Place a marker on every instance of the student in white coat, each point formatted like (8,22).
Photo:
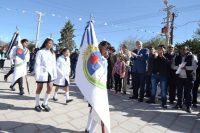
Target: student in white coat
(45,72)
(63,72)
(92,123)
(17,71)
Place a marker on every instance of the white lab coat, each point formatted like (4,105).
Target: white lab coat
(45,64)
(19,71)
(63,71)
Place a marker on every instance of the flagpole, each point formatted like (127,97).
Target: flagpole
(103,127)
(27,84)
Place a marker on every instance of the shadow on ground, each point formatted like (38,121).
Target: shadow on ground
(19,127)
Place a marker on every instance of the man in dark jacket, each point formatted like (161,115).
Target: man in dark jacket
(171,86)
(160,74)
(185,65)
(74,59)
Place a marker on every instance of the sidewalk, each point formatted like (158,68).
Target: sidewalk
(17,113)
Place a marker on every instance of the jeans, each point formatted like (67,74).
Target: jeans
(155,79)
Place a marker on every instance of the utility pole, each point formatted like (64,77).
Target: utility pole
(172,29)
(38,28)
(168,20)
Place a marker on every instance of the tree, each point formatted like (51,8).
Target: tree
(67,35)
(31,45)
(130,42)
(197,33)
(154,42)
(193,44)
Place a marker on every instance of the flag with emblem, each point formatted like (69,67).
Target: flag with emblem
(92,76)
(18,54)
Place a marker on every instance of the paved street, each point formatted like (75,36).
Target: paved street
(17,113)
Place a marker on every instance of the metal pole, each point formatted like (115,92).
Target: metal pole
(38,28)
(172,29)
(102,127)
(168,20)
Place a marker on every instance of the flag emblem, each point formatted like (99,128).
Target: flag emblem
(92,63)
(20,53)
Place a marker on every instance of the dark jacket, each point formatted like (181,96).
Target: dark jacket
(161,66)
(140,62)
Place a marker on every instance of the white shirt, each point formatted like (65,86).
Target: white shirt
(63,70)
(45,64)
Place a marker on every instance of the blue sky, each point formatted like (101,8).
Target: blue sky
(115,20)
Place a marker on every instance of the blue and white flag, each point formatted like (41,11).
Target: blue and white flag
(91,76)
(18,54)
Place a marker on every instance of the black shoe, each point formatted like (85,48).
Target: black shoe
(5,78)
(194,105)
(140,100)
(38,108)
(177,106)
(21,91)
(171,102)
(86,131)
(188,109)
(150,101)
(164,106)
(55,99)
(67,101)
(46,108)
(124,92)
(133,97)
(147,95)
(12,88)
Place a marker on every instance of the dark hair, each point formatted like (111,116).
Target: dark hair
(24,40)
(104,43)
(64,50)
(45,43)
(112,49)
(186,47)
(161,46)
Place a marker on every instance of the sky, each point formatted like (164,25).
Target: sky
(115,20)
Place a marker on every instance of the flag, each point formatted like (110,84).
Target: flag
(92,75)
(20,61)
(12,43)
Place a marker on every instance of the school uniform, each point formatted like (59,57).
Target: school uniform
(2,59)
(45,72)
(63,71)
(17,71)
(45,66)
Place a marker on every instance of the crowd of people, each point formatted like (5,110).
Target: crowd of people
(176,73)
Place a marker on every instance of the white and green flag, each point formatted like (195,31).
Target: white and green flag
(91,76)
